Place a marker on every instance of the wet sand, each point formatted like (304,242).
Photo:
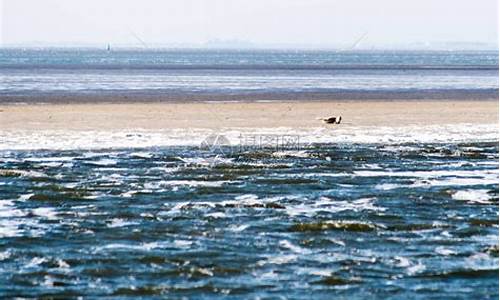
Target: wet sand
(294,114)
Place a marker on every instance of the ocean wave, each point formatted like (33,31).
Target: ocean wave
(474,196)
(328,205)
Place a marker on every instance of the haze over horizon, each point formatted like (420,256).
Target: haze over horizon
(251,24)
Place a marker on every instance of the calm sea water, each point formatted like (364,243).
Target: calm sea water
(403,221)
(199,72)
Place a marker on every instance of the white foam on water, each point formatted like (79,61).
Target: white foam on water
(243,200)
(416,268)
(246,197)
(477,196)
(177,244)
(278,259)
(6,204)
(50,159)
(9,228)
(177,208)
(312,175)
(103,162)
(141,155)
(239,228)
(128,194)
(210,161)
(146,247)
(402,262)
(194,183)
(8,159)
(289,153)
(296,249)
(320,272)
(456,182)
(373,166)
(481,261)
(430,174)
(45,212)
(183,243)
(5,255)
(328,205)
(8,209)
(387,186)
(152,186)
(216,215)
(14,223)
(62,264)
(35,261)
(142,138)
(337,242)
(444,251)
(252,200)
(400,148)
(436,177)
(115,223)
(166,169)
(267,164)
(490,239)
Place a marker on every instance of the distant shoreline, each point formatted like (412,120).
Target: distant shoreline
(468,47)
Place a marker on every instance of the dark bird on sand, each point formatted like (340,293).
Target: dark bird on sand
(332,120)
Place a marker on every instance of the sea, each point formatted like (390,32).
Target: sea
(245,74)
(267,213)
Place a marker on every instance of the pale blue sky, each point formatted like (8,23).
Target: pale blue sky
(317,23)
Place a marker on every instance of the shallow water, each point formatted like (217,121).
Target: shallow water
(265,73)
(405,221)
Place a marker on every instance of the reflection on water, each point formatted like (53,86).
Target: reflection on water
(348,220)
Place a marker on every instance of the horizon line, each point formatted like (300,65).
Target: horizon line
(247,47)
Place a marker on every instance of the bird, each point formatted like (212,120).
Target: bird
(332,120)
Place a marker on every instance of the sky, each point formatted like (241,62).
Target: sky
(249,23)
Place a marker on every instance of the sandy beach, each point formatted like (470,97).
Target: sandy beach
(213,115)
